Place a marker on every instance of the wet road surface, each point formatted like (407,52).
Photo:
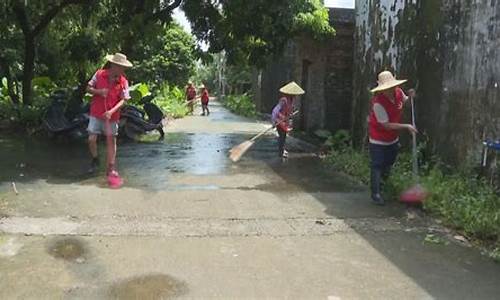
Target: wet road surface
(190,224)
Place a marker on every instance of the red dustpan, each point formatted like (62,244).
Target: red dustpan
(415,194)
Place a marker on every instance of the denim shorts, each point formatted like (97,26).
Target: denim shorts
(98,126)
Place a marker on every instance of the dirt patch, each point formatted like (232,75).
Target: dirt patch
(68,249)
(152,286)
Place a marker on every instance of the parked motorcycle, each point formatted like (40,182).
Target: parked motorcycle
(133,121)
(56,123)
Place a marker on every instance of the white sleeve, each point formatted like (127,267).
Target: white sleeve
(93,81)
(126,92)
(405,97)
(380,113)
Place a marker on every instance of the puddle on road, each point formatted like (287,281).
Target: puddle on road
(153,286)
(151,165)
(70,249)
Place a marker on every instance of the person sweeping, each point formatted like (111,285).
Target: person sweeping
(205,97)
(281,115)
(384,125)
(190,96)
(109,88)
(282,112)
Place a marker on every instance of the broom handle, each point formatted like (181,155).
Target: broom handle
(414,142)
(274,126)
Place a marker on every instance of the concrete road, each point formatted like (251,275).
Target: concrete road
(190,224)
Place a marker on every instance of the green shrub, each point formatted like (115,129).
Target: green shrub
(461,199)
(172,101)
(241,105)
(28,117)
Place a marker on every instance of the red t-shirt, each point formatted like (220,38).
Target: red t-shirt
(117,91)
(204,96)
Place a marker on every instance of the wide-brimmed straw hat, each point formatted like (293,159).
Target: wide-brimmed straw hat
(119,59)
(386,81)
(292,89)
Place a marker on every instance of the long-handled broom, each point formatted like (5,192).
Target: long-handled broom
(416,193)
(238,151)
(114,180)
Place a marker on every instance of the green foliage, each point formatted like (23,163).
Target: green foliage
(27,117)
(495,254)
(169,57)
(254,31)
(352,162)
(314,20)
(435,239)
(340,140)
(137,92)
(172,101)
(241,105)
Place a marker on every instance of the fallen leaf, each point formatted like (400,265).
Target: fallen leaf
(460,238)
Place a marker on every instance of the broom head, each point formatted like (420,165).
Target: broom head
(237,152)
(414,195)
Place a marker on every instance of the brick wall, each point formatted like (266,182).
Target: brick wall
(322,68)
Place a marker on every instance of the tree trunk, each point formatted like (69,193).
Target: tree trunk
(28,69)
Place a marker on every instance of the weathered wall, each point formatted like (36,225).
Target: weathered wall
(450,50)
(322,68)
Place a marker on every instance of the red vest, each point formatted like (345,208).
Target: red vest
(394,112)
(204,97)
(191,93)
(286,111)
(100,104)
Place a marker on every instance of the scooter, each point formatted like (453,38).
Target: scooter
(57,124)
(133,122)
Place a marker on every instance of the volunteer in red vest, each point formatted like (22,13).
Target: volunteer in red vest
(109,88)
(282,112)
(190,96)
(205,97)
(384,125)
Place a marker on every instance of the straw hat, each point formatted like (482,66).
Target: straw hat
(119,59)
(386,81)
(292,89)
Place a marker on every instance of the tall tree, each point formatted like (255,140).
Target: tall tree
(33,19)
(255,30)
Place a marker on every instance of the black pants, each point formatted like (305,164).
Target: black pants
(382,159)
(205,108)
(281,141)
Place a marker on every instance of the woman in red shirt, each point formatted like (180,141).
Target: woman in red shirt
(190,96)
(109,88)
(282,112)
(384,125)
(204,100)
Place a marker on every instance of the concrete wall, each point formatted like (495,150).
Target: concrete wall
(450,50)
(322,68)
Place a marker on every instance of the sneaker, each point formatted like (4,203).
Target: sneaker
(94,165)
(378,200)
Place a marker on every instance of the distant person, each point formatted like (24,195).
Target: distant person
(384,124)
(205,97)
(109,88)
(282,113)
(190,96)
